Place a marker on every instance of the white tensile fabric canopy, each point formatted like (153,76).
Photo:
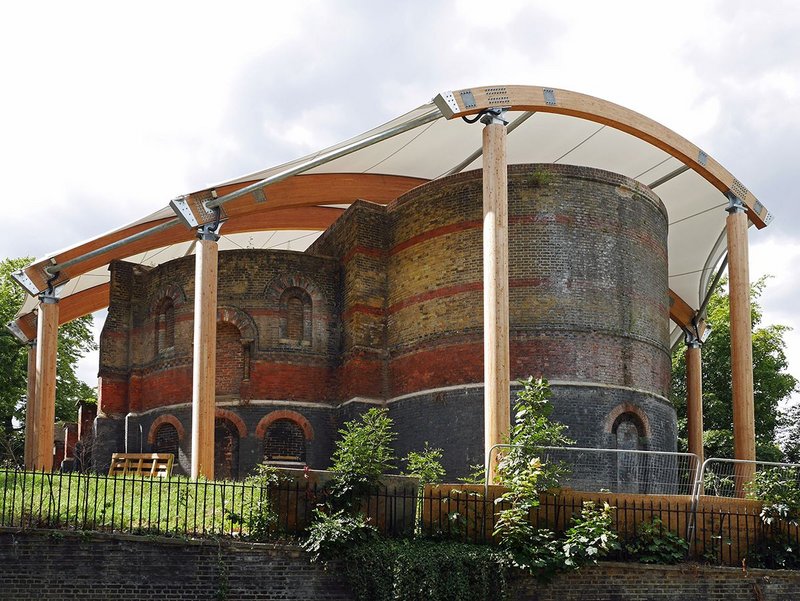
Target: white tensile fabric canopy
(303,197)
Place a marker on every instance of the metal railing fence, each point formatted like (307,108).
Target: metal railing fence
(719,529)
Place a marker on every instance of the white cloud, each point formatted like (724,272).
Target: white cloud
(110,109)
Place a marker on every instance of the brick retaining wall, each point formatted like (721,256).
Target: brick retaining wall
(46,565)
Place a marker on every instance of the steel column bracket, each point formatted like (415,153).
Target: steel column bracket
(196,209)
(21,278)
(210,231)
(12,327)
(735,204)
(494,116)
(181,207)
(48,296)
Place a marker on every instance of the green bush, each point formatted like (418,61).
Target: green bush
(421,570)
(533,430)
(654,543)
(257,513)
(331,535)
(591,536)
(779,492)
(363,454)
(427,468)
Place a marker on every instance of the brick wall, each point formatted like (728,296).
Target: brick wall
(387,305)
(587,278)
(50,566)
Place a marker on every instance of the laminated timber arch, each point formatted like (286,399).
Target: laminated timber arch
(383,163)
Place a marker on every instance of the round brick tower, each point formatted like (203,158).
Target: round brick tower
(386,308)
(588,307)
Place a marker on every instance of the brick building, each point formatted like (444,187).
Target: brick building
(385,308)
(616,228)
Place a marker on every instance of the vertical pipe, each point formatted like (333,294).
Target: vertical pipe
(744,438)
(497,404)
(30,408)
(46,352)
(694,399)
(204,364)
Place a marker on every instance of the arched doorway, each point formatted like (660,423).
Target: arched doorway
(226,450)
(628,432)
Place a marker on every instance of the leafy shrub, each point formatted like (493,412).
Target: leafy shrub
(427,467)
(363,454)
(775,552)
(656,544)
(258,514)
(778,489)
(590,537)
(417,570)
(533,430)
(330,535)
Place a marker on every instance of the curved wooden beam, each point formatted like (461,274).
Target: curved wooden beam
(96,298)
(563,102)
(295,193)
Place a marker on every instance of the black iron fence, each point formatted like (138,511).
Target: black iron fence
(721,530)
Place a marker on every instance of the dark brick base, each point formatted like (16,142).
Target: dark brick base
(45,566)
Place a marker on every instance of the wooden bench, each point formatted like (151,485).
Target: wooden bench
(153,465)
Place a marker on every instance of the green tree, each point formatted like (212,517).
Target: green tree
(771,381)
(74,341)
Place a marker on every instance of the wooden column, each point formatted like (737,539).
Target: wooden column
(30,408)
(497,403)
(744,437)
(205,353)
(694,397)
(46,354)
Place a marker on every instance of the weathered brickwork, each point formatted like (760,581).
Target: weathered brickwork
(38,566)
(387,307)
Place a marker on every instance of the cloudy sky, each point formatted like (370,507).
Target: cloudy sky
(110,109)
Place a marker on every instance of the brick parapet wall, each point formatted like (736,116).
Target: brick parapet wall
(46,565)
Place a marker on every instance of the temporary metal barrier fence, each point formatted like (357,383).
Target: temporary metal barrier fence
(620,470)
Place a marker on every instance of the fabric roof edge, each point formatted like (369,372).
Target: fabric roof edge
(469,101)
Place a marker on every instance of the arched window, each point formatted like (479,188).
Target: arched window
(295,317)
(165,326)
(166,439)
(284,440)
(230,359)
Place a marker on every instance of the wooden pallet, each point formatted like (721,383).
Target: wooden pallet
(153,465)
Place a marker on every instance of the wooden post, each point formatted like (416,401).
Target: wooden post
(497,381)
(30,408)
(46,354)
(205,353)
(744,436)
(694,397)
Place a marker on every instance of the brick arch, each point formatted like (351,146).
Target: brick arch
(161,420)
(233,418)
(170,291)
(293,416)
(275,289)
(621,409)
(240,319)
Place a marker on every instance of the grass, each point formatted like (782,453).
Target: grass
(173,507)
